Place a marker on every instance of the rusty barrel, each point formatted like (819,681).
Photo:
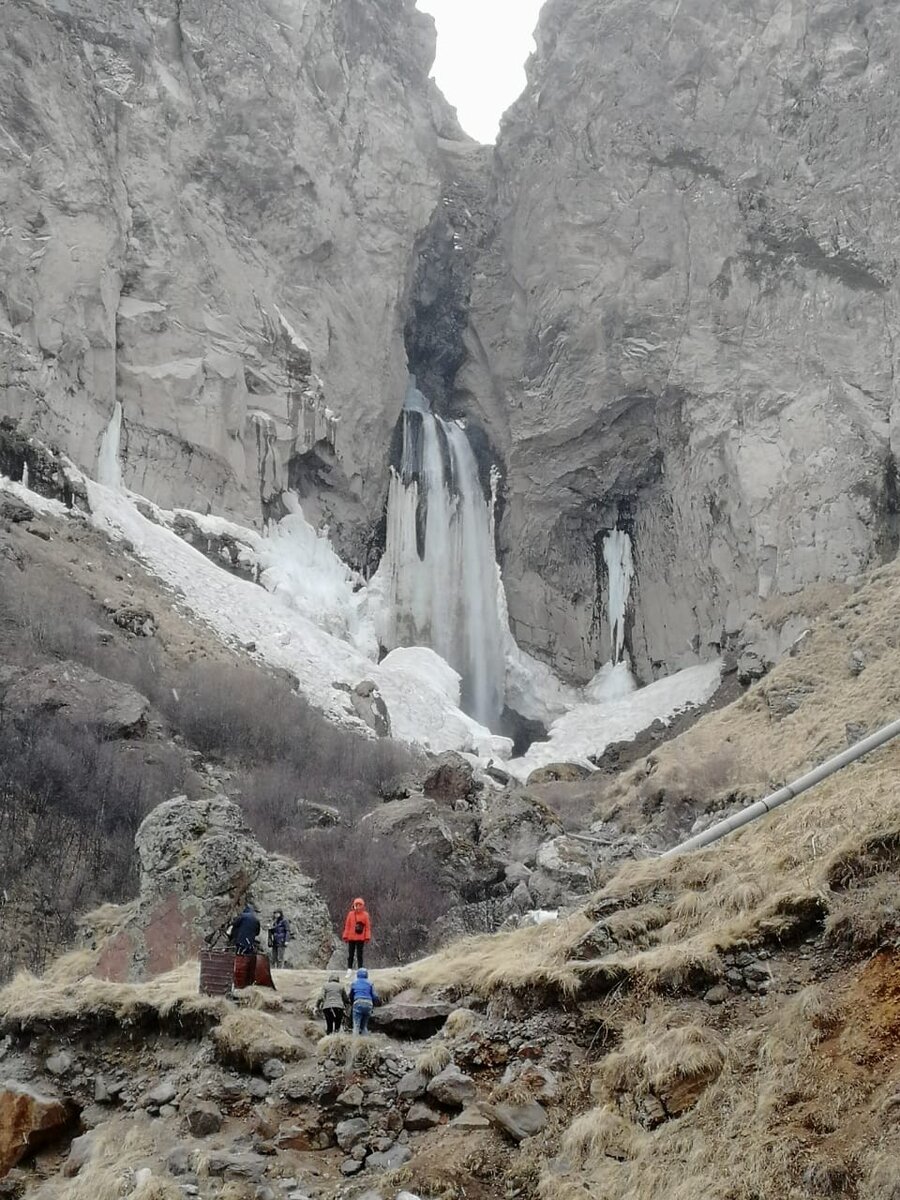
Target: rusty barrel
(216,972)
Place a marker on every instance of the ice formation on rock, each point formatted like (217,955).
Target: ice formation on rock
(109,467)
(619,572)
(438,575)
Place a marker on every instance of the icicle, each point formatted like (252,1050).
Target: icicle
(109,470)
(24,474)
(620,572)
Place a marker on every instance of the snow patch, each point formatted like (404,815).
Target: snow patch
(618,713)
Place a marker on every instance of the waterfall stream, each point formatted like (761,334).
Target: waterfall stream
(439,571)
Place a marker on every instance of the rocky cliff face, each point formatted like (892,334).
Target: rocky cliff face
(685,318)
(209,214)
(668,301)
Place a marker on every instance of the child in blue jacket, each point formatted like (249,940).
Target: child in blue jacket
(363,999)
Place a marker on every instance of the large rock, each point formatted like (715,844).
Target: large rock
(514,825)
(520,1121)
(411,1018)
(684,319)
(28,1121)
(80,695)
(565,868)
(199,864)
(451,1088)
(230,173)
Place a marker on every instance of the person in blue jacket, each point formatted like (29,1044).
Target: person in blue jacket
(244,931)
(363,999)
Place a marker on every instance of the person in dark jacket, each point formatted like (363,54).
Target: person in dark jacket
(363,998)
(244,931)
(357,931)
(278,937)
(333,1000)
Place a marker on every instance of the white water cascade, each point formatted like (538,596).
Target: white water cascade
(109,468)
(619,572)
(440,575)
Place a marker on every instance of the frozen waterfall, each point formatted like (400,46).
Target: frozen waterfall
(439,574)
(619,572)
(109,470)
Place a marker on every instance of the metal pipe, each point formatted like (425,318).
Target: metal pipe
(788,792)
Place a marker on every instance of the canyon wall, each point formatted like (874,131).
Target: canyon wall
(667,300)
(209,214)
(684,318)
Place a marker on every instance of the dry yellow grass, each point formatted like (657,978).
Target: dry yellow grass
(68,993)
(460,1022)
(250,1036)
(433,1060)
(121,1148)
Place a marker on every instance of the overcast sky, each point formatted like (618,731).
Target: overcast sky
(482,46)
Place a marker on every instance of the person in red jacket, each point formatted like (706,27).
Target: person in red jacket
(357,931)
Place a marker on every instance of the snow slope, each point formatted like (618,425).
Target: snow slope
(313,617)
(617,712)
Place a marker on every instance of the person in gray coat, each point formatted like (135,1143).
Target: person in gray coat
(333,1000)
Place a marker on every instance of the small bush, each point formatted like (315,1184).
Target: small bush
(400,890)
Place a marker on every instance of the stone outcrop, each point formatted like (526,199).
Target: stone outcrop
(210,214)
(199,865)
(28,1121)
(78,694)
(684,318)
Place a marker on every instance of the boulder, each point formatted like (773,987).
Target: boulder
(450,780)
(239,1165)
(559,773)
(515,825)
(422,1116)
(59,1064)
(564,869)
(351,1097)
(389,1160)
(519,1121)
(351,1132)
(28,1120)
(471,1118)
(411,1019)
(163,1093)
(203,1119)
(199,865)
(15,511)
(78,694)
(412,1085)
(451,1088)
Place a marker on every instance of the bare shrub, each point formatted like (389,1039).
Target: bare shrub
(399,888)
(70,805)
(245,714)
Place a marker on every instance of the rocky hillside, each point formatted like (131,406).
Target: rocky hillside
(722,1023)
(684,319)
(193,193)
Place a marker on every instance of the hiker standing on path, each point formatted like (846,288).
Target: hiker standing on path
(333,1000)
(244,931)
(278,937)
(363,998)
(357,931)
